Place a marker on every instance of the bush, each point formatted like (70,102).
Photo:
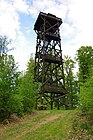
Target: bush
(16,105)
(9,77)
(86,98)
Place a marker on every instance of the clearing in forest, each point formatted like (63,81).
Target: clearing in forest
(41,125)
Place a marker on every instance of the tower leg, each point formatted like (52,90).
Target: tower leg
(58,104)
(42,98)
(51,102)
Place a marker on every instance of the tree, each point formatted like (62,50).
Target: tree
(85,60)
(70,82)
(17,92)
(8,83)
(4,42)
(86,97)
(10,102)
(27,87)
(84,57)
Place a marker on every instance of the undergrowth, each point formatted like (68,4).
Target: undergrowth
(82,128)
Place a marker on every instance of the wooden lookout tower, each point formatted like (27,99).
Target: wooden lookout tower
(48,59)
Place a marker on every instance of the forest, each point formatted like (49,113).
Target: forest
(18,90)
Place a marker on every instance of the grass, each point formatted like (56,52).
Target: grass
(41,125)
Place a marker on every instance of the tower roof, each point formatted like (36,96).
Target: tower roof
(49,19)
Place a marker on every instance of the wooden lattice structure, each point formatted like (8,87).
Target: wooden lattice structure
(48,58)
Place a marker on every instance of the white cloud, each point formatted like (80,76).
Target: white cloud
(21,39)
(9,19)
(10,26)
(48,6)
(76,29)
(9,16)
(21,6)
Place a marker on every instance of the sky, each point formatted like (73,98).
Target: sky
(17,19)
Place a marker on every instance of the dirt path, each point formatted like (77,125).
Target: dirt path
(38,125)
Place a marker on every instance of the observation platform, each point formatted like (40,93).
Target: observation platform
(49,58)
(49,36)
(54,89)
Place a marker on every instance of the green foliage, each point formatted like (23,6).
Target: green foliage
(85,60)
(17,93)
(82,127)
(86,97)
(84,57)
(8,83)
(4,42)
(10,101)
(70,82)
(27,88)
(15,104)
